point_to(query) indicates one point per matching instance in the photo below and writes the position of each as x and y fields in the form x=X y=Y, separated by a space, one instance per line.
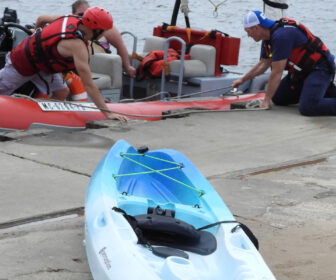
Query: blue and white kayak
x=153 y=215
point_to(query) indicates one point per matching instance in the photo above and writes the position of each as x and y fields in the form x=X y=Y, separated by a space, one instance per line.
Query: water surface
x=140 y=16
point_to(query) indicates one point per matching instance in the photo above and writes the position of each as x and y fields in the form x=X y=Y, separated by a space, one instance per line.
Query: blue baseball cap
x=256 y=17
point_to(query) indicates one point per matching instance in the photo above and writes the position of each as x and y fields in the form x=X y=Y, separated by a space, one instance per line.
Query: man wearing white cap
x=289 y=45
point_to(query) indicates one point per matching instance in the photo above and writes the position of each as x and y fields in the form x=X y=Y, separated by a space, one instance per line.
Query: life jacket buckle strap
x=296 y=67
x=38 y=30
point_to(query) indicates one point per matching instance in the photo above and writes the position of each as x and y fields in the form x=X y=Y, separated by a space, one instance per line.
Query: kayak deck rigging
x=157 y=171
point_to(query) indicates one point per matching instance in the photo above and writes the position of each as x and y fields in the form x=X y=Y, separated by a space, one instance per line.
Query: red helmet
x=97 y=18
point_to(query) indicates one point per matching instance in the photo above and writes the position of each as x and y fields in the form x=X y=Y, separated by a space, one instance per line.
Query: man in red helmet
x=111 y=36
x=58 y=47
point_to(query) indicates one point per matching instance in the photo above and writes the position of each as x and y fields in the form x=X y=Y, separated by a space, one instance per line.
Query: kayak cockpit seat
x=175 y=233
x=106 y=72
x=161 y=228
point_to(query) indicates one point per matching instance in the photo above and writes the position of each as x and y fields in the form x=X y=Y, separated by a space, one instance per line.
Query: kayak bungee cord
x=144 y=172
x=179 y=166
x=160 y=159
x=193 y=110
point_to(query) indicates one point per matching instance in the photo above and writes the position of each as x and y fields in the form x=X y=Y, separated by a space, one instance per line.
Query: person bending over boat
x=111 y=36
x=61 y=46
x=102 y=46
x=289 y=45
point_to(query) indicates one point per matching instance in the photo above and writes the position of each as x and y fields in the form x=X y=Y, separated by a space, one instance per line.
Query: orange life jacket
x=38 y=52
x=151 y=66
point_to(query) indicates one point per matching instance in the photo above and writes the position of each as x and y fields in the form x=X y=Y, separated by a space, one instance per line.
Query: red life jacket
x=151 y=66
x=305 y=57
x=39 y=51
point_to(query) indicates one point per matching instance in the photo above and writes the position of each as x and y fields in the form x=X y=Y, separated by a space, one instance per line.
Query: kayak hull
x=137 y=182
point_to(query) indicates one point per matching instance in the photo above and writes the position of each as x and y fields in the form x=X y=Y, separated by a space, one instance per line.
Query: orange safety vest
x=151 y=66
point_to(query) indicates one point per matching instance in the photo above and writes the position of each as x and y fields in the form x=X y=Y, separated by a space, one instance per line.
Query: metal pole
x=135 y=41
x=175 y=12
x=163 y=76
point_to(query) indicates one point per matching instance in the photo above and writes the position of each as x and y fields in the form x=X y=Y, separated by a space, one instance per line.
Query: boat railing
x=180 y=74
x=135 y=41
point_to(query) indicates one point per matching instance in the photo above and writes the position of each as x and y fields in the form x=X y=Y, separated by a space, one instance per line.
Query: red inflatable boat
x=23 y=113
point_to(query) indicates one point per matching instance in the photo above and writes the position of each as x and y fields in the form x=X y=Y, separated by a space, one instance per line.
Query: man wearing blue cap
x=289 y=45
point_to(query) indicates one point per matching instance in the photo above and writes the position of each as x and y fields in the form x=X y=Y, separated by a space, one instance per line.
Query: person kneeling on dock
x=289 y=45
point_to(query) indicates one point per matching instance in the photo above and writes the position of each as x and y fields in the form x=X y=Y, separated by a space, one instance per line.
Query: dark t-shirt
x=283 y=40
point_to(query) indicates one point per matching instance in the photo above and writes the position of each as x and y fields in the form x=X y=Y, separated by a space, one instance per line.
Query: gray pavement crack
x=244 y=173
x=51 y=270
x=38 y=218
x=47 y=164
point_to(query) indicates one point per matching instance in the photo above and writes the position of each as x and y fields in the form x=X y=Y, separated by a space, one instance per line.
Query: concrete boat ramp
x=275 y=169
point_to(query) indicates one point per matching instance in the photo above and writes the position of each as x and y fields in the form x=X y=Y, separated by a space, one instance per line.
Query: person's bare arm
x=113 y=36
x=273 y=81
x=76 y=49
x=256 y=70
x=42 y=20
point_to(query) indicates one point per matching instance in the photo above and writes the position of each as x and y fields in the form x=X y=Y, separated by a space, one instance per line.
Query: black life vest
x=151 y=66
x=39 y=51
x=305 y=57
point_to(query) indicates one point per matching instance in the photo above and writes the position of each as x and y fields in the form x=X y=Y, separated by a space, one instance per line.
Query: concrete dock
x=275 y=169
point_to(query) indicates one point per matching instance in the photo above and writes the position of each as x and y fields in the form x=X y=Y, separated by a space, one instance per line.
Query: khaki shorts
x=10 y=80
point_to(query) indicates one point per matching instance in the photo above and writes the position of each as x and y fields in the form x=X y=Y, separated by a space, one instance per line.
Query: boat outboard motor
x=6 y=38
x=6 y=43
x=10 y=20
x=10 y=16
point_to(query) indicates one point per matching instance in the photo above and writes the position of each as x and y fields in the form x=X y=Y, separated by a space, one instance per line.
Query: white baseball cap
x=253 y=18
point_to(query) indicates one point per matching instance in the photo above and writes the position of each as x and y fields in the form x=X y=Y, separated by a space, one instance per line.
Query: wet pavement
x=274 y=169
